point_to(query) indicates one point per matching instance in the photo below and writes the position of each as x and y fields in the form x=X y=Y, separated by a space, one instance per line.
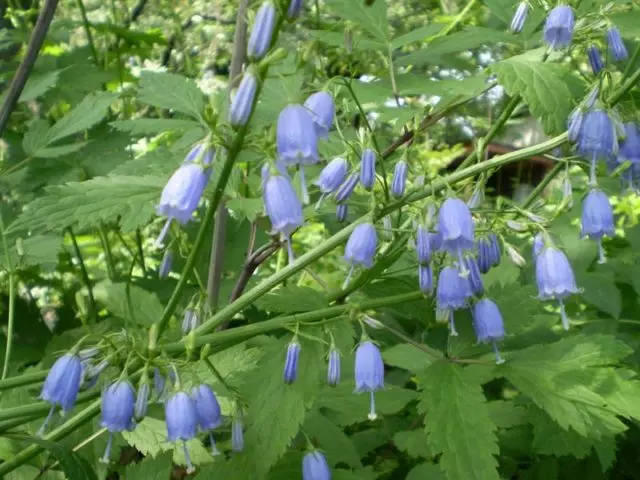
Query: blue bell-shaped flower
x=361 y=248
x=333 y=367
x=616 y=45
x=484 y=255
x=630 y=151
x=181 y=195
x=62 y=385
x=558 y=28
x=190 y=321
x=322 y=109
x=369 y=372
x=597 y=219
x=201 y=155
x=291 y=362
x=456 y=226
x=555 y=278
x=597 y=139
x=399 y=181
x=475 y=278
x=345 y=190
x=517 y=22
x=425 y=279
x=538 y=245
x=488 y=324
x=423 y=245
x=294 y=8
x=315 y=467
x=159 y=382
x=331 y=177
x=207 y=408
x=453 y=292
x=595 y=59
x=118 y=402
x=182 y=422
x=262 y=31
x=575 y=124
x=242 y=102
x=342 y=209
x=368 y=168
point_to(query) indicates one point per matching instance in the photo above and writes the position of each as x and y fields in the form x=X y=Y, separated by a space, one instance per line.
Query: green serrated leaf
x=426 y=470
x=458 y=423
x=173 y=92
x=149 y=437
x=550 y=439
x=291 y=299
x=544 y=87
x=371 y=18
x=59 y=151
x=36 y=136
x=600 y=290
x=86 y=204
x=506 y=414
x=413 y=443
x=153 y=126
x=407 y=357
x=86 y=114
x=417 y=35
x=250 y=208
x=38 y=85
x=136 y=305
x=158 y=468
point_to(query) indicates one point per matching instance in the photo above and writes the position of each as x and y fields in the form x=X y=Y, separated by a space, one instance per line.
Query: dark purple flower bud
x=322 y=109
x=142 y=401
x=558 y=28
x=475 y=278
x=237 y=434
x=182 y=422
x=117 y=411
x=575 y=124
x=369 y=372
x=333 y=367
x=423 y=245
x=456 y=226
x=283 y=207
x=341 y=212
x=331 y=177
x=63 y=382
x=315 y=467
x=159 y=382
x=425 y=279
x=597 y=219
x=198 y=154
x=368 y=168
x=242 y=102
x=616 y=45
x=291 y=362
x=261 y=32
x=207 y=408
x=517 y=22
x=595 y=59
x=399 y=179
x=190 y=321
x=488 y=324
x=555 y=278
x=294 y=8
x=346 y=189
x=597 y=139
x=630 y=146
x=181 y=196
x=165 y=264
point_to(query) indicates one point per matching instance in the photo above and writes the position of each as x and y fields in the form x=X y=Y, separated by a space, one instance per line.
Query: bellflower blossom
x=294 y=8
x=368 y=168
x=399 y=179
x=488 y=324
x=117 y=411
x=208 y=412
x=597 y=139
x=475 y=278
x=345 y=190
x=322 y=109
x=597 y=219
x=291 y=362
x=452 y=293
x=361 y=248
x=182 y=422
x=630 y=152
x=190 y=321
x=555 y=278
x=616 y=45
x=242 y=102
x=297 y=141
x=331 y=177
x=558 y=28
x=62 y=385
x=456 y=226
x=315 y=467
x=425 y=279
x=595 y=59
x=369 y=372
x=283 y=208
x=423 y=245
x=519 y=17
x=342 y=209
x=262 y=31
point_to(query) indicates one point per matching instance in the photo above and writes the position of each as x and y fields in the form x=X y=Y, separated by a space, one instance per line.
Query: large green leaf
x=173 y=92
x=332 y=440
x=372 y=18
x=292 y=299
x=86 y=204
x=628 y=22
x=600 y=290
x=458 y=424
x=157 y=468
x=131 y=303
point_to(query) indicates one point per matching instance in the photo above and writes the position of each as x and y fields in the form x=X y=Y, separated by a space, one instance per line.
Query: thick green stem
x=22 y=380
x=41 y=408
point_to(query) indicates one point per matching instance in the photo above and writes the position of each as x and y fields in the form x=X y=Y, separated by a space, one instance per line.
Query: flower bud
x=423 y=245
x=190 y=321
x=333 y=367
x=368 y=168
x=345 y=190
x=315 y=467
x=399 y=181
x=425 y=279
x=515 y=256
x=291 y=362
x=242 y=102
x=341 y=212
x=517 y=22
x=142 y=401
x=616 y=45
x=558 y=28
x=595 y=59
x=387 y=228
x=516 y=226
x=237 y=434
x=165 y=265
x=322 y=109
x=261 y=32
x=294 y=8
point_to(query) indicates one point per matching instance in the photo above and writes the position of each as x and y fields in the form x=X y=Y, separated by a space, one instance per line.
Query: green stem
x=22 y=380
x=446 y=30
x=84 y=273
x=111 y=264
x=631 y=63
x=41 y=408
x=87 y=30
x=140 y=252
x=12 y=300
x=558 y=167
x=209 y=215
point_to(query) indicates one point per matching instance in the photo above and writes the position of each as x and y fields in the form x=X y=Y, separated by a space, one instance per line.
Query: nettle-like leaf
x=292 y=299
x=129 y=199
x=371 y=18
x=153 y=126
x=173 y=92
x=457 y=423
x=129 y=302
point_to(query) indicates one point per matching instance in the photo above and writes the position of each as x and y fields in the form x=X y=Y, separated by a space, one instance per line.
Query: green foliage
x=173 y=92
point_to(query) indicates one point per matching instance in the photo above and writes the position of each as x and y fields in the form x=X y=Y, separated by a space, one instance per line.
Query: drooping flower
x=294 y=8
x=538 y=245
x=237 y=434
x=361 y=247
x=333 y=367
x=475 y=278
x=341 y=212
x=399 y=179
x=595 y=59
x=517 y=22
x=190 y=321
x=181 y=196
x=456 y=226
x=488 y=324
x=423 y=245
x=425 y=279
x=291 y=362
x=315 y=467
x=369 y=372
x=207 y=407
x=62 y=385
x=165 y=265
x=283 y=207
x=345 y=190
x=597 y=139
x=142 y=401
x=368 y=168
x=488 y=252
x=555 y=278
x=331 y=177
x=262 y=31
x=630 y=152
x=242 y=102
x=616 y=45
x=182 y=422
x=452 y=293
x=558 y=28
x=117 y=411
x=322 y=109
x=597 y=219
